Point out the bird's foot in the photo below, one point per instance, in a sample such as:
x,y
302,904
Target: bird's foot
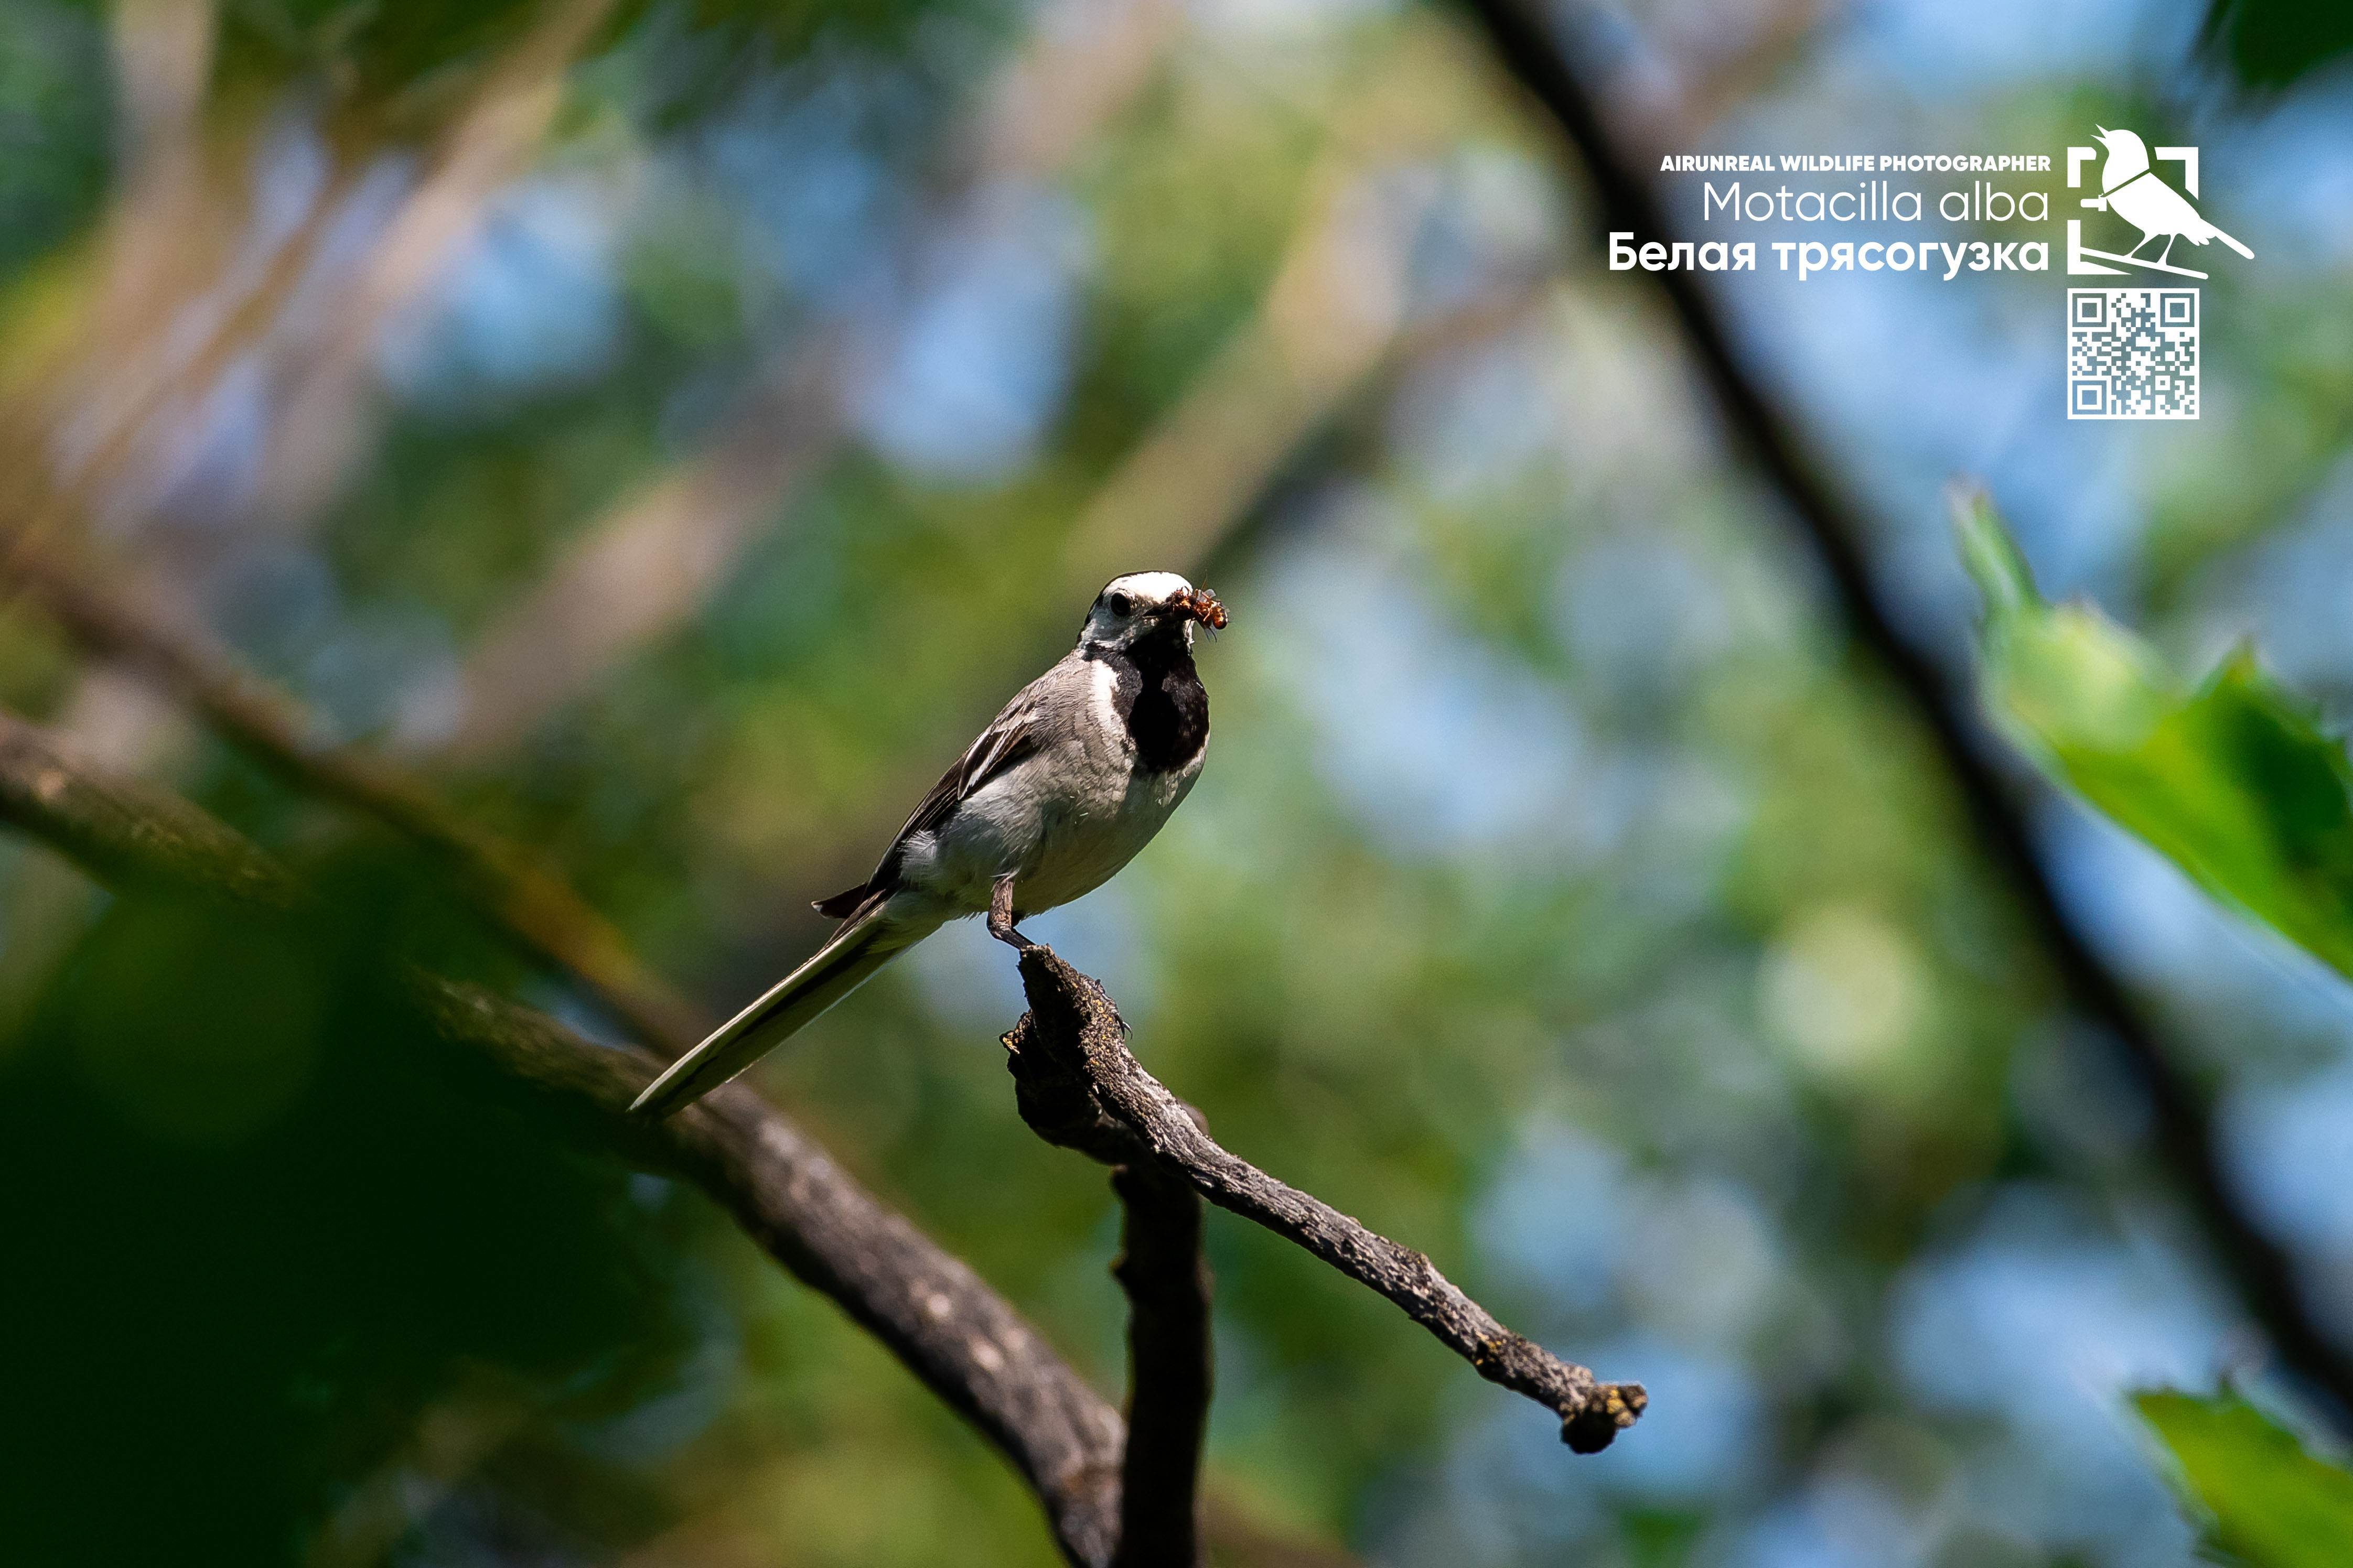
x,y
1001,917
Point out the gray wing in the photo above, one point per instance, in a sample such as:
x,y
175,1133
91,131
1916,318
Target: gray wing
x,y
1010,736
1013,734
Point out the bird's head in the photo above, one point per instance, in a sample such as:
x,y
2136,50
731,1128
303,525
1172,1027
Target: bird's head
x,y
2125,147
1144,606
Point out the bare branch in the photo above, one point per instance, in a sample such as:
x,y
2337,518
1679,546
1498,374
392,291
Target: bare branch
x,y
927,1308
2263,1271
1168,1368
1080,1087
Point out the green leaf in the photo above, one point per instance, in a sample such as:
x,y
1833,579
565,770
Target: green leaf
x,y
2233,780
2271,1504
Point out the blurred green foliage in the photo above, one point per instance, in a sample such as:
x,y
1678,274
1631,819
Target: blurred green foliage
x,y
266,1227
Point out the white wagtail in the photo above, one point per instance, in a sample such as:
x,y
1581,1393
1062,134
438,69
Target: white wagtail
x,y
1059,793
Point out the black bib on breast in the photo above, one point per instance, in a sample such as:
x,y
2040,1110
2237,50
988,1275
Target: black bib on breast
x,y
1160,699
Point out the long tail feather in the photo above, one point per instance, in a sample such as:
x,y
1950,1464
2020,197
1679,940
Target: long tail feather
x,y
832,973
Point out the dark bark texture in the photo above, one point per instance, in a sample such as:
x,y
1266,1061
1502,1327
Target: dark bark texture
x,y
1168,1358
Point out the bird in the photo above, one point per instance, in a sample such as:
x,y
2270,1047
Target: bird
x,y
2130,189
1063,787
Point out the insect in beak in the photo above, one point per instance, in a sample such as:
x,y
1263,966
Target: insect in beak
x,y
1203,607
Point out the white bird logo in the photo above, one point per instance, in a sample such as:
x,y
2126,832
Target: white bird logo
x,y
2131,190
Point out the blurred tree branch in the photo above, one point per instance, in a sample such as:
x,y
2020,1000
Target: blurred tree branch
x,y
1335,307
548,921
1194,484
98,406
2262,1271
1080,1088
130,836
181,304
478,156
927,1308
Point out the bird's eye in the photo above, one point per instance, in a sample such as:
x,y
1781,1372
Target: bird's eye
x,y
1120,603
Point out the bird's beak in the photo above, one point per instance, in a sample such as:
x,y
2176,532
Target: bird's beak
x,y
1201,606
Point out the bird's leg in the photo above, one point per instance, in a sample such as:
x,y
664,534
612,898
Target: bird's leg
x,y
1000,915
2167,253
2144,240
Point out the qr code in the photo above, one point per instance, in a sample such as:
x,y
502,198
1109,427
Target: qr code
x,y
2132,353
